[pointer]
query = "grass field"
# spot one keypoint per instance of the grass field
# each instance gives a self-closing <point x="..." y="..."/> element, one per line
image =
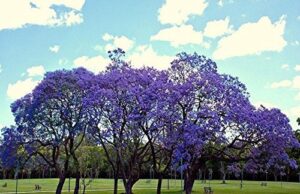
<point x="104" y="186"/>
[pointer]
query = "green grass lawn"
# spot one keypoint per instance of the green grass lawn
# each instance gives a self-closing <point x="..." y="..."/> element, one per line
<point x="104" y="186"/>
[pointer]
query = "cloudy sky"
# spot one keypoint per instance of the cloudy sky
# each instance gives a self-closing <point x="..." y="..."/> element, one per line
<point x="256" y="40"/>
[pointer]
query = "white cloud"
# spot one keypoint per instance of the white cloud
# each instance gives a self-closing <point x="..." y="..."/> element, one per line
<point x="17" y="14"/>
<point x="178" y="12"/>
<point x="36" y="71"/>
<point x="294" y="83"/>
<point x="298" y="17"/>
<point x="21" y="88"/>
<point x="253" y="39"/>
<point x="220" y="3"/>
<point x="179" y="35"/>
<point x="1" y="68"/>
<point x="115" y="42"/>
<point x="54" y="48"/>
<point x="146" y="56"/>
<point x="94" y="64"/>
<point x="282" y="84"/>
<point x="107" y="37"/>
<point x="217" y="28"/>
<point x="297" y="67"/>
<point x="71" y="18"/>
<point x="285" y="66"/>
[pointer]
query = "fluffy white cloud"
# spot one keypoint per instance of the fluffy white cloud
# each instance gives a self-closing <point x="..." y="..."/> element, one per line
<point x="21" y="88"/>
<point x="94" y="64"/>
<point x="179" y="35"/>
<point x="220" y="3"/>
<point x="54" y="48"/>
<point x="294" y="83"/>
<point x="285" y="66"/>
<point x="115" y="42"/>
<point x="71" y="18"/>
<point x="17" y="14"/>
<point x="178" y="12"/>
<point x="217" y="28"/>
<point x="281" y="84"/>
<point x="297" y="68"/>
<point x="107" y="37"/>
<point x="36" y="71"/>
<point x="146" y="56"/>
<point x="253" y="39"/>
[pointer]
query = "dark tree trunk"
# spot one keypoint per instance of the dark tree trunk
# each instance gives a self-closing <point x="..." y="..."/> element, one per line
<point x="77" y="183"/>
<point x="189" y="179"/>
<point x="116" y="176"/>
<point x="61" y="182"/>
<point x="223" y="173"/>
<point x="189" y="183"/>
<point x="116" y="184"/>
<point x="128" y="187"/>
<point x="159" y="183"/>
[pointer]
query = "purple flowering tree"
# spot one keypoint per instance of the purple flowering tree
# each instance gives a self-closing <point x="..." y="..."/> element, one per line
<point x="52" y="120"/>
<point x="118" y="109"/>
<point x="13" y="154"/>
<point x="216" y="120"/>
<point x="270" y="155"/>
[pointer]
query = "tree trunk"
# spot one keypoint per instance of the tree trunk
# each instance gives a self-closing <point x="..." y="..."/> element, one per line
<point x="116" y="184"/>
<point x="158" y="190"/>
<point x="223" y="172"/>
<point x="189" y="179"/>
<point x="116" y="176"/>
<point x="224" y="178"/>
<point x="128" y="187"/>
<point x="61" y="182"/>
<point x="84" y="185"/>
<point x="189" y="183"/>
<point x="77" y="183"/>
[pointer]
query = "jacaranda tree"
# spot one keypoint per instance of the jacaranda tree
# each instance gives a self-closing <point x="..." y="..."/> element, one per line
<point x="53" y="121"/>
<point x="216" y="120"/>
<point x="120" y="103"/>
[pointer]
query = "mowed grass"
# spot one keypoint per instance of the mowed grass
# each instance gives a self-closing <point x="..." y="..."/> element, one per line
<point x="144" y="186"/>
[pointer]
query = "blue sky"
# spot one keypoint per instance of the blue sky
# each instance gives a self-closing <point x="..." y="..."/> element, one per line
<point x="256" y="40"/>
